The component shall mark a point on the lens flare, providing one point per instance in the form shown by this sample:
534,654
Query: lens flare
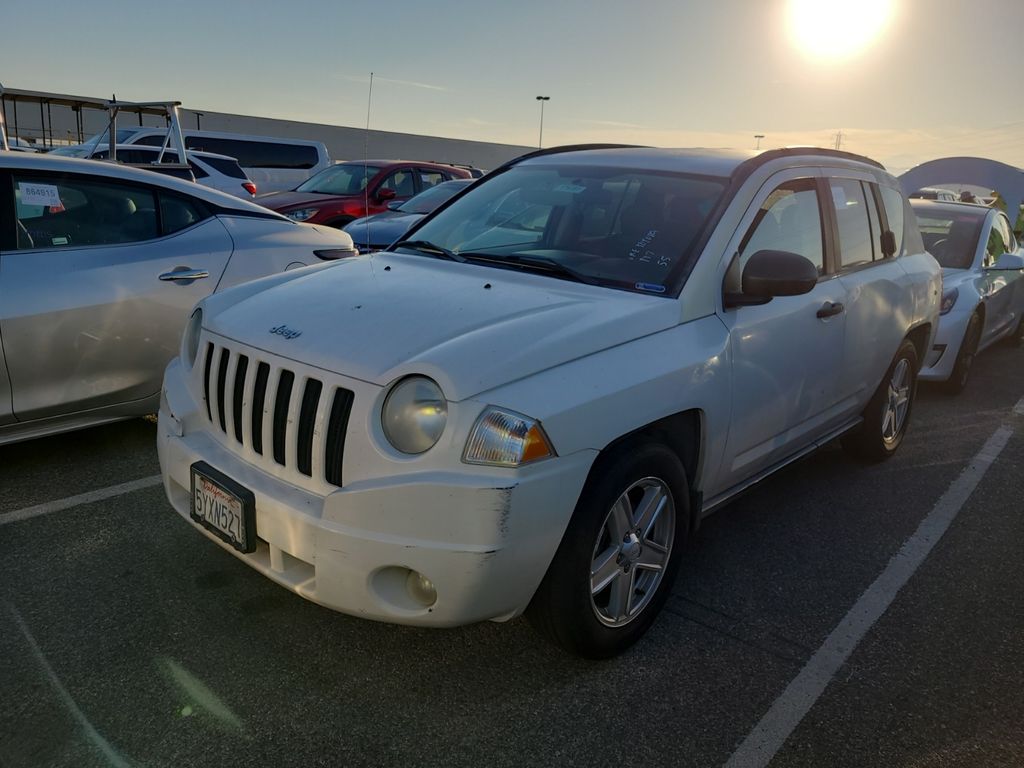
837,29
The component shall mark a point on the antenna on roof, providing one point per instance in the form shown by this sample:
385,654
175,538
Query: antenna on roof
366,155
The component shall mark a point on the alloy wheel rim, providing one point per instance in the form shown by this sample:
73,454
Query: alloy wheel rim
632,551
897,402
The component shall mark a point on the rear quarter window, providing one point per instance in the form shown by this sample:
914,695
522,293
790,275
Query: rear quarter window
227,167
901,219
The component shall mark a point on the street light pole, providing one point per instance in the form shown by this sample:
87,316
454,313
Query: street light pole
540,140
758,136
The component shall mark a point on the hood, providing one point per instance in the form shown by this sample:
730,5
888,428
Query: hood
278,201
383,228
471,328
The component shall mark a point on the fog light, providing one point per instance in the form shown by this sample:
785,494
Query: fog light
421,589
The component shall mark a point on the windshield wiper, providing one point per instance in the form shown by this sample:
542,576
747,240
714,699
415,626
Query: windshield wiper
537,264
425,246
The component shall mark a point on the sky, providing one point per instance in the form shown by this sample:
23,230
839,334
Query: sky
938,78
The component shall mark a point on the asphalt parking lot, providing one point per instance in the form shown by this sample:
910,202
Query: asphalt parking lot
793,635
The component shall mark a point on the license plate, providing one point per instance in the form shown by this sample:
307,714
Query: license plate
224,507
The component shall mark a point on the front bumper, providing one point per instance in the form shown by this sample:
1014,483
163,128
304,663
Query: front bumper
484,537
941,358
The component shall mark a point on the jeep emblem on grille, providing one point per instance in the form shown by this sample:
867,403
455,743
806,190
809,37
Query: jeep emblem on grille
284,330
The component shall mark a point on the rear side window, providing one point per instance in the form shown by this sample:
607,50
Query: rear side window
225,166
430,178
894,212
257,154
69,212
178,213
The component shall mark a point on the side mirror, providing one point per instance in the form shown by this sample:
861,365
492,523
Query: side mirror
778,273
394,205
1009,261
384,194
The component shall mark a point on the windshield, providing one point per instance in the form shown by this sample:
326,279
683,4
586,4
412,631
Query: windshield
951,237
429,199
343,179
622,228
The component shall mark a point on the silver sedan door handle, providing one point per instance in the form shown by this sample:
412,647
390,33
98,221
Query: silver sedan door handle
184,273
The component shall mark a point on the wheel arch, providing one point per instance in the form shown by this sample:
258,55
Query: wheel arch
683,434
919,336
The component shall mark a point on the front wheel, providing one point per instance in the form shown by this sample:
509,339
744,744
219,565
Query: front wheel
620,553
888,413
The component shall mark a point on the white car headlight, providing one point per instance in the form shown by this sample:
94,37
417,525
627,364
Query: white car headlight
503,438
414,415
302,214
190,340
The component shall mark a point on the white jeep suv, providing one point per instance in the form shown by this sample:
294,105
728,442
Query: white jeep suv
533,399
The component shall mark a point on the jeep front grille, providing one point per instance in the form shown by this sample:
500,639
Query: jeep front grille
275,412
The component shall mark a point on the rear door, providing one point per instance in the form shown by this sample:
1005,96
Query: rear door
879,303
95,294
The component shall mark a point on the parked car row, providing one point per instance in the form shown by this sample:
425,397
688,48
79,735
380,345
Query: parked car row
531,397
339,195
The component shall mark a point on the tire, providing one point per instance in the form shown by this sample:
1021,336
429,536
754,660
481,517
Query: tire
631,590
888,413
964,358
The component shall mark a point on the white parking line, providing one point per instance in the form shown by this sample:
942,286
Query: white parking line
1018,409
768,736
73,501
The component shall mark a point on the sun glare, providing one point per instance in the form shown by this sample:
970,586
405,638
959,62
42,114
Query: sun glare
837,29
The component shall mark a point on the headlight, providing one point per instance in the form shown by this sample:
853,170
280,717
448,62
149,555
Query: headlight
414,415
948,300
506,439
302,214
190,341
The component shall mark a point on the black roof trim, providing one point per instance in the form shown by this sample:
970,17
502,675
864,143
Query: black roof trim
565,149
747,167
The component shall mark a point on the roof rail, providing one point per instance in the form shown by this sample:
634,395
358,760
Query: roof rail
772,154
566,148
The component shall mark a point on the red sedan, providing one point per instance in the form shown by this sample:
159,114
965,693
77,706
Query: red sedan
337,195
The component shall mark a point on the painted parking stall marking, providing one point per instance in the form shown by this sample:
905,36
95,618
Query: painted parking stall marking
60,505
785,714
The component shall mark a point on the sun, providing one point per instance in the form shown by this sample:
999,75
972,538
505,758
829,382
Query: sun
837,29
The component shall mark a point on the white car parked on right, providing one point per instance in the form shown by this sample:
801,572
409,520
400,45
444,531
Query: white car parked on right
983,290
530,402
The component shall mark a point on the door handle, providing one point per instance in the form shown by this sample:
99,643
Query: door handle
184,273
830,308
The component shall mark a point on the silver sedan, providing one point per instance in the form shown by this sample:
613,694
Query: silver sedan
982,281
100,266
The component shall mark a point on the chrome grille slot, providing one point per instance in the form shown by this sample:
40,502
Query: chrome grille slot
206,379
284,396
222,376
307,422
259,397
236,401
336,427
